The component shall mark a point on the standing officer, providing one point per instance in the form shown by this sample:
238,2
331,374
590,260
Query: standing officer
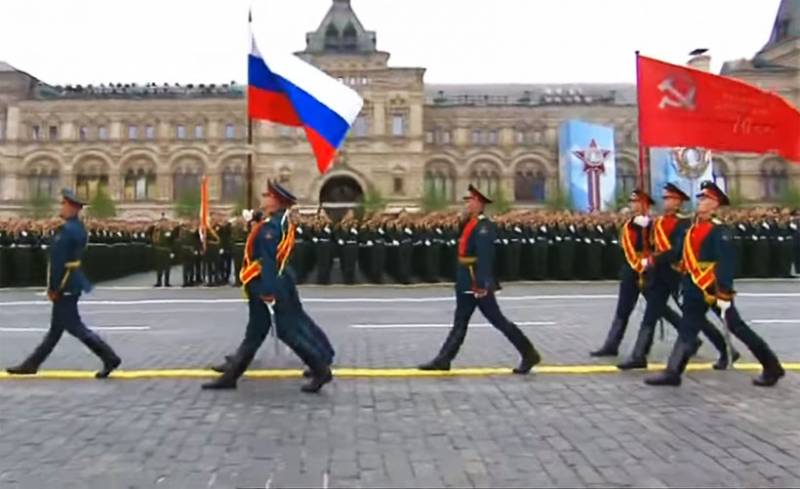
163,241
475,287
65,284
707,257
634,239
272,292
663,282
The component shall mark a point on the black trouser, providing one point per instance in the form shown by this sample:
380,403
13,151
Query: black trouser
465,307
65,317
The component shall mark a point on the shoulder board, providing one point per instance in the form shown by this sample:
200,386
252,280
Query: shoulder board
482,217
683,216
717,221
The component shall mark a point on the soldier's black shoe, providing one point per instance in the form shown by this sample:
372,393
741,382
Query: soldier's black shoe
108,367
167,285
528,362
664,378
22,369
222,383
222,367
307,373
157,284
435,365
632,363
722,363
317,381
605,351
769,379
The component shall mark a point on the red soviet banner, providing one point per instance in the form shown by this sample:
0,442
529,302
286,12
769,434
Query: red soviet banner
680,106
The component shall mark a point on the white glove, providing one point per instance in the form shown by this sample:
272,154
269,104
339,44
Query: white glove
171,256
645,262
247,214
221,252
641,221
723,306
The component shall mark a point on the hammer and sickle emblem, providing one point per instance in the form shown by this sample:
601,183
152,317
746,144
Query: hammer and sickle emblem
673,97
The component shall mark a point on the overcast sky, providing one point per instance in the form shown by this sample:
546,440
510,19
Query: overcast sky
458,41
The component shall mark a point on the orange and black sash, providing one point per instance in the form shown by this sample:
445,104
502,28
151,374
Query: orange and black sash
463,244
702,273
662,230
633,257
285,246
250,269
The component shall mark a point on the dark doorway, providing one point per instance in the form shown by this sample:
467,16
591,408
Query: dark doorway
340,194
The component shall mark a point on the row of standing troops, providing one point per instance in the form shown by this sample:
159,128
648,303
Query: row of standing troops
408,249
25,243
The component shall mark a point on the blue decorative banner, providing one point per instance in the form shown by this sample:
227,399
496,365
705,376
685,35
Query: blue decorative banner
685,167
586,159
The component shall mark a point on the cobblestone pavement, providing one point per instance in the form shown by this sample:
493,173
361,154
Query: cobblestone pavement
542,430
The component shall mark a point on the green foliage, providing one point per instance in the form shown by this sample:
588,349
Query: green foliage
501,204
559,200
373,201
433,201
40,206
188,204
101,206
791,196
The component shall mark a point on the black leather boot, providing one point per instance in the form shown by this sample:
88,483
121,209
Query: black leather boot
722,363
435,364
236,368
641,348
24,368
31,364
611,346
678,359
110,359
222,367
530,359
769,378
318,379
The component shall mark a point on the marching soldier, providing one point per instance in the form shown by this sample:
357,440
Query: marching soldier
663,282
706,256
475,287
272,295
634,239
65,284
238,239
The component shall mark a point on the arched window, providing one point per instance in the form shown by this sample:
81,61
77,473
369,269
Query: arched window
486,176
43,179
233,182
626,177
775,178
530,182
91,178
440,180
350,38
139,184
186,179
332,38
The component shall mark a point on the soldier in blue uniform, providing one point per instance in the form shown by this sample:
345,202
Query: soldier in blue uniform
65,284
475,287
707,258
634,241
271,291
662,281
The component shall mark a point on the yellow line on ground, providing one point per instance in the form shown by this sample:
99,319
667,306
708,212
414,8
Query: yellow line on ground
363,372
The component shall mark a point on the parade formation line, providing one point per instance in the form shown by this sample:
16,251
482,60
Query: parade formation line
365,372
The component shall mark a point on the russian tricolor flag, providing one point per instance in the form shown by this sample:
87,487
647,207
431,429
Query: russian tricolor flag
286,90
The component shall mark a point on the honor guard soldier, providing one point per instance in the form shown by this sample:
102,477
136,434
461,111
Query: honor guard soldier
707,258
663,281
634,239
475,287
65,284
272,296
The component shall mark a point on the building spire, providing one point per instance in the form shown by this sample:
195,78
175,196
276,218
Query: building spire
787,23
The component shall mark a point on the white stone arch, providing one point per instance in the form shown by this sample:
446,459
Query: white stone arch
232,170
42,174
316,185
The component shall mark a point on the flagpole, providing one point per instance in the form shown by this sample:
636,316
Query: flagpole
642,150
249,170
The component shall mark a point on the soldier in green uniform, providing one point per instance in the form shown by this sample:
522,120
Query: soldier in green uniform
162,241
238,239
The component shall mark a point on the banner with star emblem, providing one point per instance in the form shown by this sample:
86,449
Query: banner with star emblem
586,159
685,167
